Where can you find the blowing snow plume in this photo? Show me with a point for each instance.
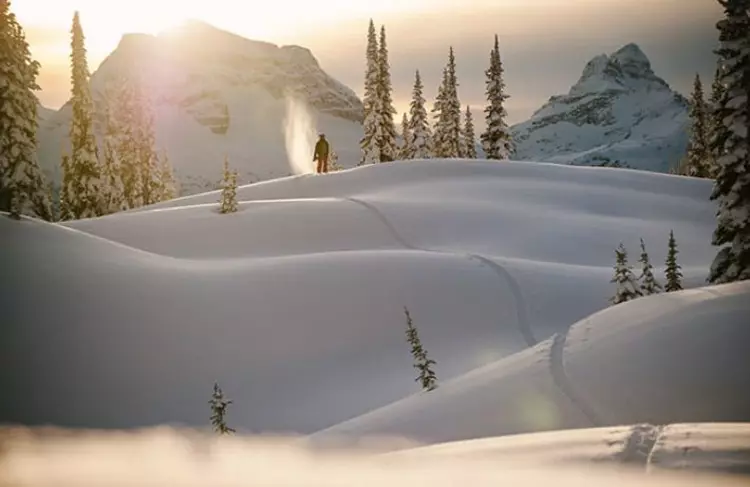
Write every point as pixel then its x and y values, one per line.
pixel 299 136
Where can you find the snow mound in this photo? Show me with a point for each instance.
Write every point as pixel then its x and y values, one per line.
pixel 676 357
pixel 295 303
pixel 216 94
pixel 619 112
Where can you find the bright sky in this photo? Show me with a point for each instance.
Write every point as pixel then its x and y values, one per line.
pixel 545 42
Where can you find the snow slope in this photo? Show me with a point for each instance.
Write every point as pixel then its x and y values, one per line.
pixel 216 94
pixel 618 111
pixel 677 357
pixel 295 303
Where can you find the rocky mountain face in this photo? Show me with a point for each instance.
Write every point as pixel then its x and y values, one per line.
pixel 618 113
pixel 216 94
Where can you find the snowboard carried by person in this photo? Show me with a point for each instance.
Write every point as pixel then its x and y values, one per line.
pixel 322 150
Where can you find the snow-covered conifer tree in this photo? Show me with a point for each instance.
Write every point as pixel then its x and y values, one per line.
pixel 22 186
pixel 125 119
pixel 717 130
pixel 145 143
pixel 167 184
pixel 85 194
pixel 219 405
pixel 450 115
pixel 439 135
pixel 419 127
pixel 113 190
pixel 229 190
pixel 673 270
pixel 698 155
pixel 496 139
pixel 649 284
pixel 426 377
pixel 732 187
pixel 469 139
pixel 387 146
pixel 371 124
pixel 405 150
pixel 627 286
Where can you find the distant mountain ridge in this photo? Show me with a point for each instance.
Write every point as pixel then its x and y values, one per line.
pixel 217 94
pixel 619 111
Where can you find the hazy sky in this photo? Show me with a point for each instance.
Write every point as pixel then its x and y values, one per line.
pixel 544 43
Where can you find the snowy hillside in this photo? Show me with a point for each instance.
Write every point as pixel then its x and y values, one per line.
pixel 218 94
pixel 295 303
pixel 618 111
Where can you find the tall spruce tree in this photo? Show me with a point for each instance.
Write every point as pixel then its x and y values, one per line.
pixel 85 190
pixel 470 149
pixel 439 135
pixel 698 163
pixel 168 185
pixel 219 405
pixel 145 142
pixel 648 282
pixel 732 143
pixel 496 139
pixel 113 189
pixel 228 202
pixel 627 286
pixel 22 186
pixel 388 147
pixel 673 271
pixel 369 143
pixel 419 127
pixel 126 121
pixel 405 150
pixel 447 140
pixel 426 376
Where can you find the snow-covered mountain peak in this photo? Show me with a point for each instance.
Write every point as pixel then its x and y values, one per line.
pixel 618 112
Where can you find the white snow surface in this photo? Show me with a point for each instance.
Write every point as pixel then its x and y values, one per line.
pixel 216 94
pixel 619 110
pixel 295 303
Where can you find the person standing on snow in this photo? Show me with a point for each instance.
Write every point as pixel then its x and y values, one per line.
pixel 321 154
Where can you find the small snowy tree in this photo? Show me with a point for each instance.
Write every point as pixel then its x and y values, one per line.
pixel 627 287
pixel 371 124
pixel 469 140
pixel 229 190
pixel 219 405
pixel 496 139
pixel 698 163
pixel 22 186
pixel 426 378
pixel 419 127
pixel 405 150
pixel 85 193
pixel 387 146
pixel 649 284
pixel 673 270
pixel 167 184
pixel 732 145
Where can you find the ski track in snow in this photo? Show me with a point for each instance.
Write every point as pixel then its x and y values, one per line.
pixel 557 369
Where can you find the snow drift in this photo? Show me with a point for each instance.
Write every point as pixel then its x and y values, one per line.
pixel 295 303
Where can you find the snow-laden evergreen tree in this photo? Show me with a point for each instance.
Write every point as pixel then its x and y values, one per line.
pixel 673 271
pixel 126 121
pixel 112 186
pixel 627 285
pixel 419 126
pixel 469 139
pixel 387 146
pixel 371 124
pixel 219 405
pixel 649 284
pixel 732 187
pixel 168 185
pixel 229 190
pixel 496 139
pixel 85 191
pixel 447 140
pixel 145 142
pixel 405 150
pixel 22 186
pixel 698 163
pixel 426 377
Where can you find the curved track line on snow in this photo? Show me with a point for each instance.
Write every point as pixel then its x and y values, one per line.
pixel 561 379
pixel 521 316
